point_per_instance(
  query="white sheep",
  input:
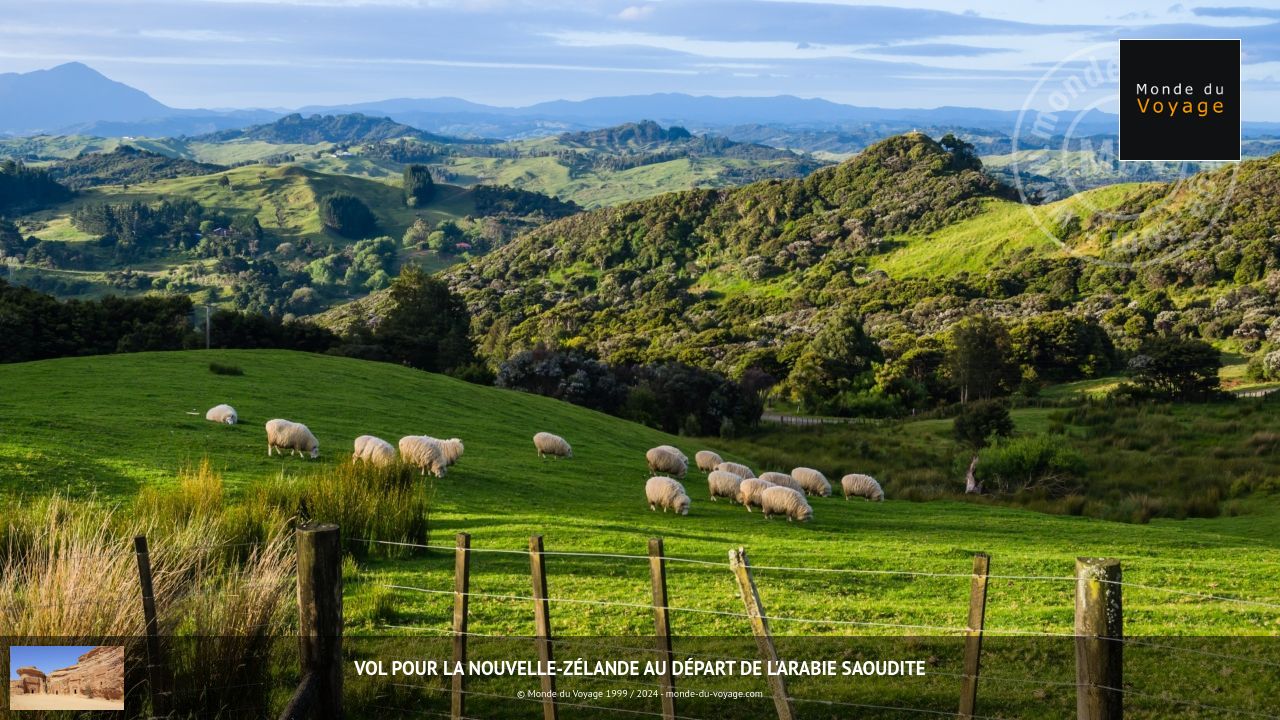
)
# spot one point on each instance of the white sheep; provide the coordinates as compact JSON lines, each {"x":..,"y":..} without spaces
{"x":373,"y":450}
{"x":749,"y":491}
{"x":452,"y":450}
{"x":222,"y":414}
{"x":424,"y":453}
{"x":863,"y":486}
{"x":295,"y":437}
{"x":723,"y":484}
{"x":783,"y":479}
{"x":785,"y":501}
{"x":738,"y":469}
{"x":553,"y":445}
{"x":666,"y":493}
{"x":666,"y":459}
{"x":677,"y":451}
{"x":707,"y":460}
{"x":813,"y":482}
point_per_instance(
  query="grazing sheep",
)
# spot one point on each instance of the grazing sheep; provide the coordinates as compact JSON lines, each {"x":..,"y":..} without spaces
{"x":295,"y":437}
{"x":373,"y":450}
{"x":668,"y":494}
{"x":783,"y":479}
{"x":666,"y":459}
{"x":723,"y":484}
{"x":785,"y":501}
{"x":552,"y":445}
{"x":452,"y":450}
{"x":677,"y":451}
{"x":707,"y":460}
{"x":863,"y":486}
{"x":222,"y":414}
{"x":738,"y":469}
{"x":749,"y":492}
{"x":813,"y":482}
{"x":424,"y":453}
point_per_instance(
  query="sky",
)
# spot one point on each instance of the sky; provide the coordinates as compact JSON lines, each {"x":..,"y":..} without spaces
{"x":900,"y":53}
{"x":47,"y":658}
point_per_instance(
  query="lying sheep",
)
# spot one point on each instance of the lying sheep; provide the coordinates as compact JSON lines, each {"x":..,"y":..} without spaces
{"x":738,"y":469}
{"x":723,"y":484}
{"x":452,"y":450}
{"x":552,"y":445}
{"x":863,"y":486}
{"x":663,"y":492}
{"x":813,"y":482}
{"x":749,"y":491}
{"x":707,"y":460}
{"x":666,"y":459}
{"x":295,"y":437}
{"x":783,"y":479}
{"x":424,"y":453}
{"x":222,"y":414}
{"x":373,"y":450}
{"x":785,"y":501}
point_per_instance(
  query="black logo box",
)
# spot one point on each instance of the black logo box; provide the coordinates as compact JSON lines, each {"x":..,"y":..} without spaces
{"x":1180,"y":65}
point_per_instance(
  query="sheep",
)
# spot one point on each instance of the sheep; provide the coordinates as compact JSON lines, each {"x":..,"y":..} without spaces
{"x":738,"y":469}
{"x":723,"y":484}
{"x":676,"y":451}
{"x":663,"y":459}
{"x":813,"y":482}
{"x":424,"y":453}
{"x":295,"y":437}
{"x":666,"y":493}
{"x":785,"y":501}
{"x":373,"y":450}
{"x":749,"y":491}
{"x":783,"y":479}
{"x":222,"y":414}
{"x":863,"y":486}
{"x":552,"y":445}
{"x":707,"y":460}
{"x":452,"y":450}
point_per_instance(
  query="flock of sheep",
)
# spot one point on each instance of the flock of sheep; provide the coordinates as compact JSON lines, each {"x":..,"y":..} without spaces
{"x":775,"y":493}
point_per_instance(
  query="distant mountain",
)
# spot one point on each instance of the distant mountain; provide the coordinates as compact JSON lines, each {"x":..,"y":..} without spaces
{"x":628,"y":135}
{"x":348,"y":128}
{"x":67,"y":95}
{"x":189,"y":122}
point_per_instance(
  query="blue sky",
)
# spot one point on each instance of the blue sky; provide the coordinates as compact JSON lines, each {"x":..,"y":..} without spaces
{"x":908,"y":53}
{"x":45,"y":657}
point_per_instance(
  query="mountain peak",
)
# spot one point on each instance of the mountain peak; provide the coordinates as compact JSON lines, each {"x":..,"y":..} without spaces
{"x":69,"y":94}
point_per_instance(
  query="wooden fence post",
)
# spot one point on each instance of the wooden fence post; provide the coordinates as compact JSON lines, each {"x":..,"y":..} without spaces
{"x":973,"y":635}
{"x":155,"y":661}
{"x":1099,"y":640}
{"x":461,"y":588}
{"x":320,"y":616}
{"x":542,"y":627}
{"x":760,"y":627}
{"x":662,"y":626}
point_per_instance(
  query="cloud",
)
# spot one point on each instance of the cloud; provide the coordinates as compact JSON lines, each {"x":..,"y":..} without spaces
{"x":937,"y":50}
{"x":635,"y":12}
{"x":1238,"y":11}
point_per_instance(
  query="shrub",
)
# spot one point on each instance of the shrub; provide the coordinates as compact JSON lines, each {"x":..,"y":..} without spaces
{"x":220,"y":369}
{"x":1033,"y":463}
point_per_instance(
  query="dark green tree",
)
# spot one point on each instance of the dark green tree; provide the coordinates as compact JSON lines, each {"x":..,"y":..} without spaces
{"x":1173,"y":368}
{"x":980,"y":359}
{"x":347,"y":215}
{"x":830,"y":365}
{"x":974,"y":427}
{"x":418,"y":186}
{"x":427,"y":326}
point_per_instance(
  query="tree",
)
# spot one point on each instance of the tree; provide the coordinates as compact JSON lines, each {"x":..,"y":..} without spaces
{"x":974,"y":427}
{"x":418,"y":186}
{"x":347,"y":215}
{"x":839,"y":353}
{"x":980,"y":358}
{"x":427,"y":326}
{"x":1174,"y":368}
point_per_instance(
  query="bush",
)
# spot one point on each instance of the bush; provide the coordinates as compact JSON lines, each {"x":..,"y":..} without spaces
{"x":1035,"y":463}
{"x":220,"y":369}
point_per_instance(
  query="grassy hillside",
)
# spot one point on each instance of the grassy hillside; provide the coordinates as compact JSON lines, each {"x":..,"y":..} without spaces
{"x":106,"y":426}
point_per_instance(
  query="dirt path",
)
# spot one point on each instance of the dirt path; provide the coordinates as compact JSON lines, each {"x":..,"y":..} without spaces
{"x":62,"y":702}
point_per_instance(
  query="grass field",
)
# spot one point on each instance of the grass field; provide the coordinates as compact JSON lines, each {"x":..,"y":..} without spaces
{"x":104,"y":427}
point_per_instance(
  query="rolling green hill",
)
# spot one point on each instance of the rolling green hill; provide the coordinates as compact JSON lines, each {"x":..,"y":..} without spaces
{"x":140,"y":419}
